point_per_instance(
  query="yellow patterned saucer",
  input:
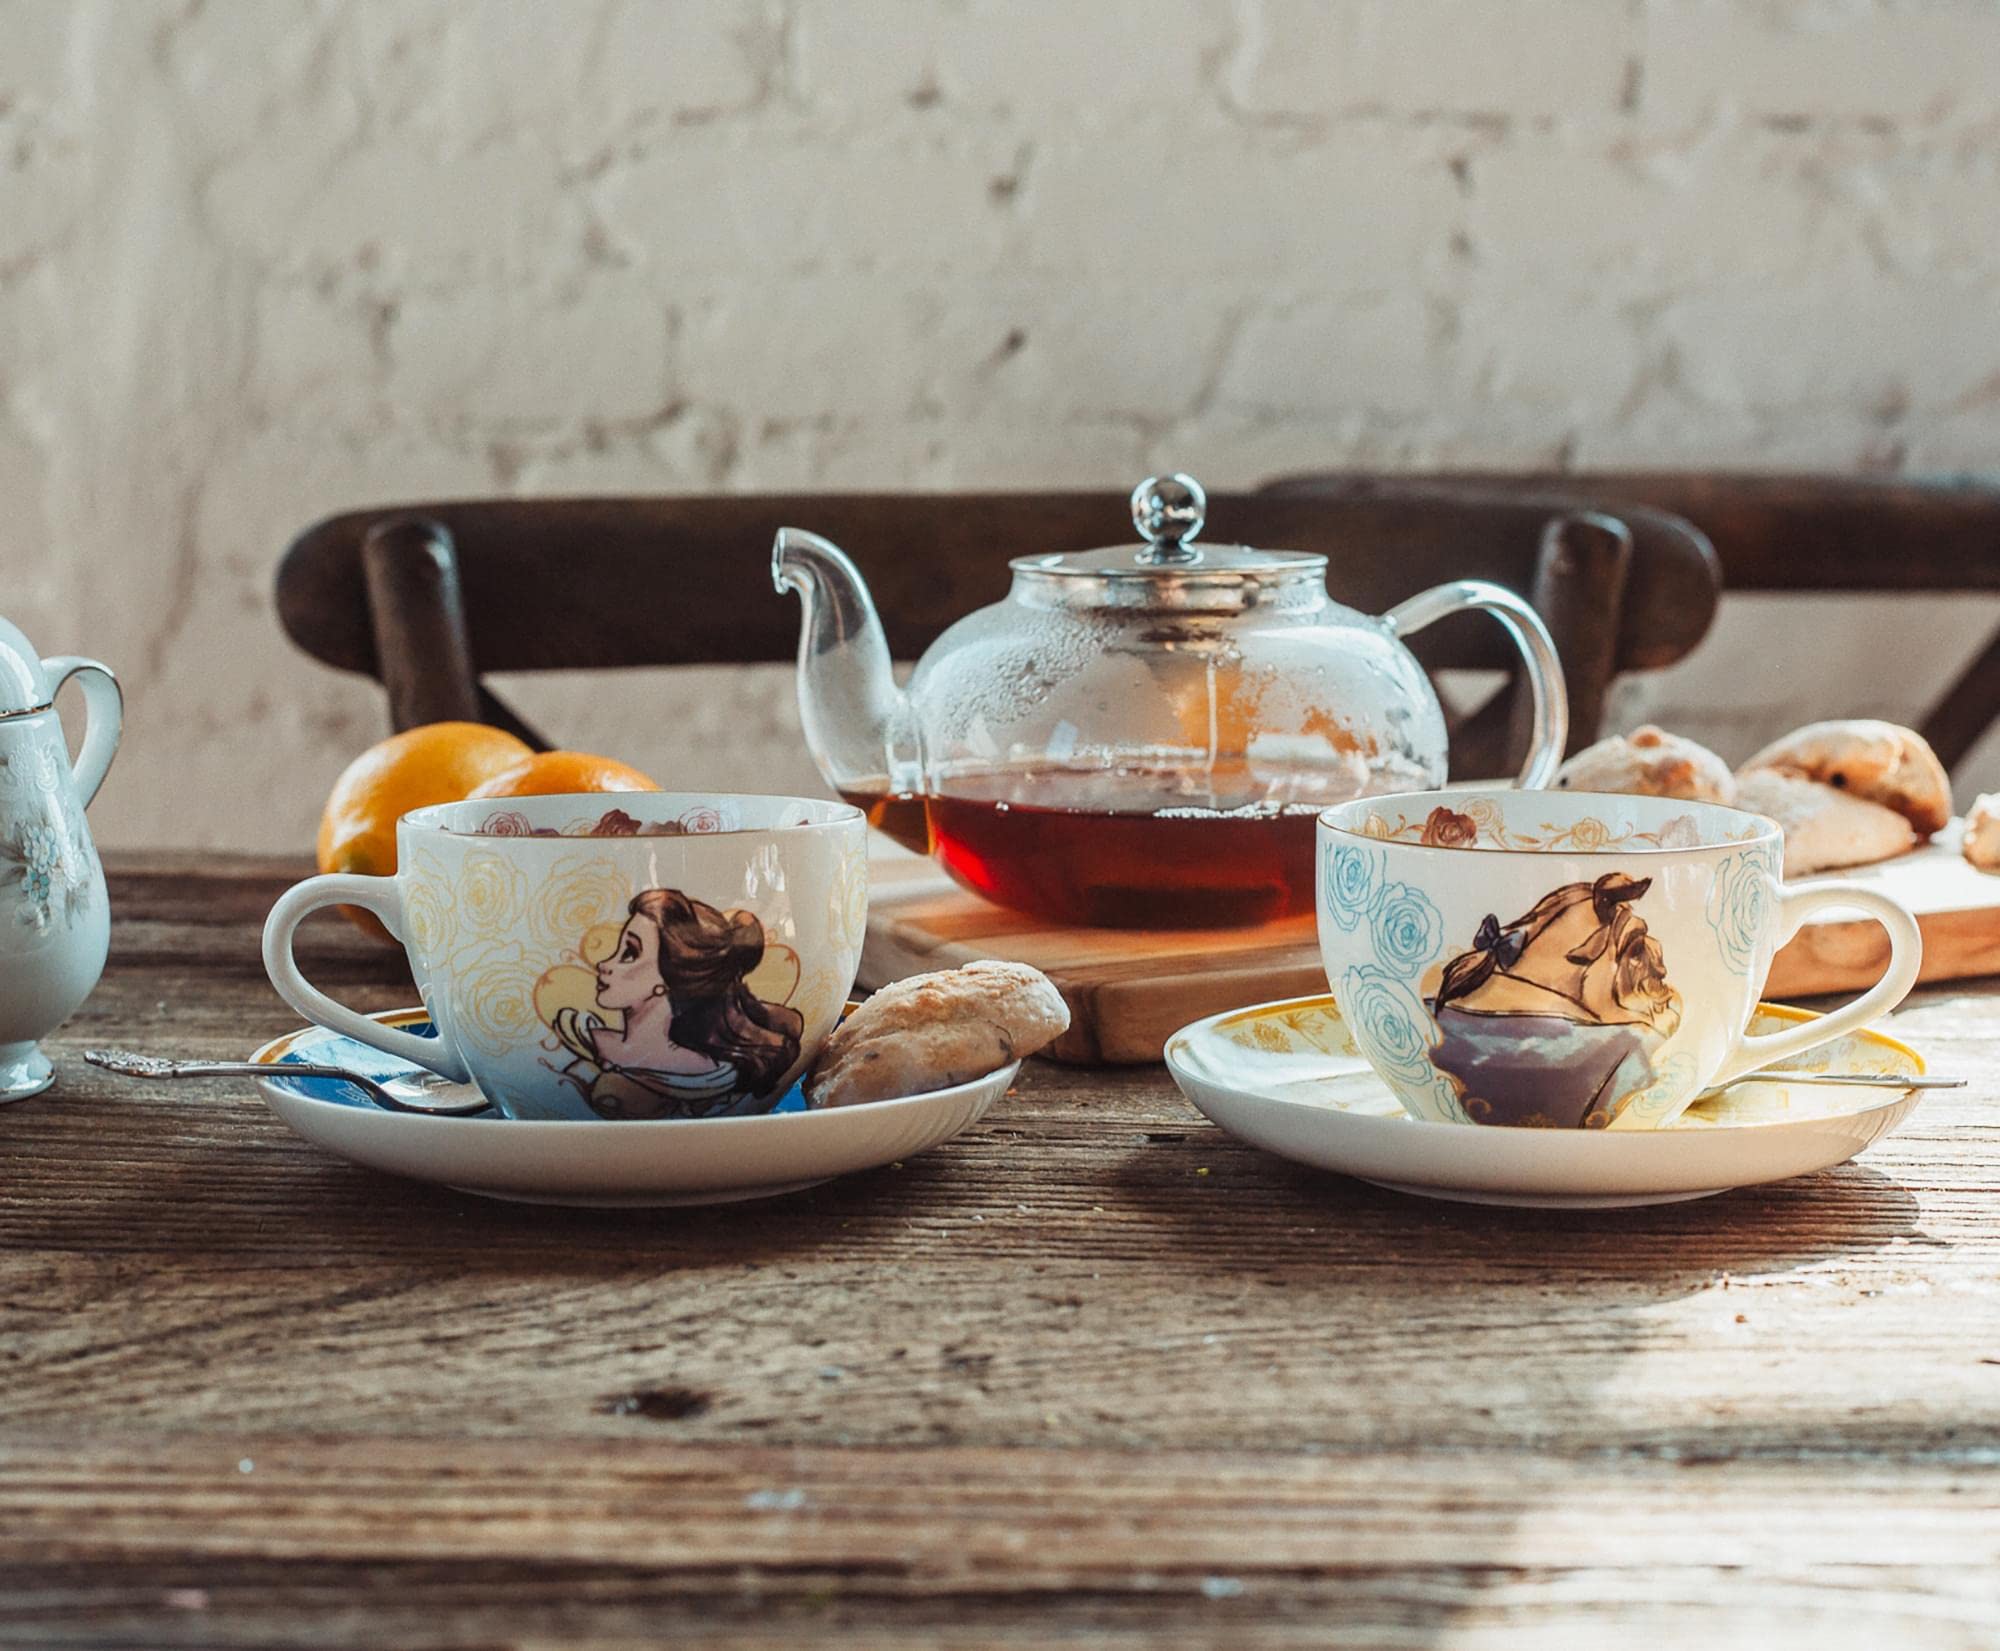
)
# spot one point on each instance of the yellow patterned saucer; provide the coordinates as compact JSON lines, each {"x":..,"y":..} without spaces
{"x":1286,"y":1077}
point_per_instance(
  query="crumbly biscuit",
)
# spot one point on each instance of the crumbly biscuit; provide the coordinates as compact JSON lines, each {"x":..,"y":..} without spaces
{"x":1650,"y":762}
{"x":1824,"y":828}
{"x":932,"y":1031}
{"x":1877,"y":761}
{"x":1982,"y":833}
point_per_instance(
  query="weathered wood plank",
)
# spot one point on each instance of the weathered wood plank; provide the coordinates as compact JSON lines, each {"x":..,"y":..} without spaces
{"x":1236,"y":1540}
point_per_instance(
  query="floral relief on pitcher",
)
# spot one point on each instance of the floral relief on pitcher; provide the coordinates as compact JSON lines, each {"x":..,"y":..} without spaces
{"x":47,"y":860}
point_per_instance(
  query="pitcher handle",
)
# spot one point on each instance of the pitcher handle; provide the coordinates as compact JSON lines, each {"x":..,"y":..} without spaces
{"x":103,"y":717}
{"x":1538,"y":654}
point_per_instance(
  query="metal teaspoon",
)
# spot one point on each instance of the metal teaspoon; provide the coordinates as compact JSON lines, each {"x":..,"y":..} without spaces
{"x":1873,"y":1080}
{"x":398,"y":1095}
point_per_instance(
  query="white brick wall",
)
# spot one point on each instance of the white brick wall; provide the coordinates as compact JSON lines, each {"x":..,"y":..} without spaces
{"x":263,"y":259}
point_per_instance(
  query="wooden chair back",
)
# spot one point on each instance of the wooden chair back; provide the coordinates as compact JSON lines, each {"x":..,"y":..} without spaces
{"x":427,"y":597}
{"x":1804,"y":533}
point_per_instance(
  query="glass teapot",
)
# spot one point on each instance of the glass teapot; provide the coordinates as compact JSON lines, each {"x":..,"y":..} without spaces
{"x":1140,"y":736}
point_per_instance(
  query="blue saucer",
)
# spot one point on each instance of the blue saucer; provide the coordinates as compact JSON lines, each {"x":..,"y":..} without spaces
{"x":317,"y":1046}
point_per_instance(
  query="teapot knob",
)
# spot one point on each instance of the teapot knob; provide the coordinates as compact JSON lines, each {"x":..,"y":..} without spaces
{"x":1169,"y":511}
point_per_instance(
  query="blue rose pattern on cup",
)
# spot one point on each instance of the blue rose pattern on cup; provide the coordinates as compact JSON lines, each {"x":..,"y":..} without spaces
{"x":1388,"y":1021}
{"x":1379,"y":1000}
{"x":1670,"y":1086}
{"x":1394,"y":1031}
{"x":1394,"y":1026}
{"x":1406,"y":928}
{"x":1353,"y":877}
{"x":1403,"y":924}
{"x":1739,"y":905}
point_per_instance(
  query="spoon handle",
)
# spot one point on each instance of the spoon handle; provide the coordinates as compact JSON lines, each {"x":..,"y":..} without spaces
{"x":130,"y":1063}
{"x":1873,"y":1080}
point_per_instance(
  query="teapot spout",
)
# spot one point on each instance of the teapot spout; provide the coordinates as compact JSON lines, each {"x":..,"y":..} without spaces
{"x":853,"y":714}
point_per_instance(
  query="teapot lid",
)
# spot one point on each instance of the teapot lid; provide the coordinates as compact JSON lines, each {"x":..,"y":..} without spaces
{"x":24,"y":685}
{"x":1169,"y":512}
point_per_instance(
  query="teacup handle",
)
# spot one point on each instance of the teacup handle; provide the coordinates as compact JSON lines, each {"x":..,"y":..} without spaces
{"x":1538,"y":654}
{"x":381,"y":896}
{"x":1906,"y":956}
{"x":103,"y":713}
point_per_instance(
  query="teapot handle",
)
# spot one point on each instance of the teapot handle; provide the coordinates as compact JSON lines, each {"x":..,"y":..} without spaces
{"x":104,"y":717}
{"x":1538,"y":653}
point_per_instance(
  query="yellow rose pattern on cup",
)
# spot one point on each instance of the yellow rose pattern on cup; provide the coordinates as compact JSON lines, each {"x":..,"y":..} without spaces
{"x":653,"y":1004}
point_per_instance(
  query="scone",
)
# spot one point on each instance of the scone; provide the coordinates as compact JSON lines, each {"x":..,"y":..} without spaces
{"x":935,"y":1030}
{"x":1982,"y":833}
{"x":1876,"y":761}
{"x":1823,"y":828}
{"x":1649,"y":762}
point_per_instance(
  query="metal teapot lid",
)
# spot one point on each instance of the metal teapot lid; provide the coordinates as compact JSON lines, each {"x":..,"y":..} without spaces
{"x":1169,"y":512}
{"x":24,"y":685}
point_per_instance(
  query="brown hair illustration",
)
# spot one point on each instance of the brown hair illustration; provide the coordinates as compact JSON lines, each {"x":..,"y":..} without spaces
{"x":1638,"y":967}
{"x":704,"y":956}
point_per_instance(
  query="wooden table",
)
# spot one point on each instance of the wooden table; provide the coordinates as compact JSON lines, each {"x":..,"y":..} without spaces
{"x":1090,"y":1371}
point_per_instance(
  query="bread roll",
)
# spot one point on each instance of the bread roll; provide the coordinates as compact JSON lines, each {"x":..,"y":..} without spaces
{"x":1982,"y":833}
{"x":1649,"y":762}
{"x":932,"y":1031}
{"x":1876,"y":761}
{"x":1824,"y":828}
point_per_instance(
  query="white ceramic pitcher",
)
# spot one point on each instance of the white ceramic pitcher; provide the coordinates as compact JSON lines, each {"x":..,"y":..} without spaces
{"x":55,"y":920}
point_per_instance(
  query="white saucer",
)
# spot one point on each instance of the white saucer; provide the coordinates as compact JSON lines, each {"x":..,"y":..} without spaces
{"x":603,"y":1163}
{"x":1286,"y":1077}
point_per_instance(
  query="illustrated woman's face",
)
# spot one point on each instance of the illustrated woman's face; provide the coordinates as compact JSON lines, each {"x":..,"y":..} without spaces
{"x":631,"y":974}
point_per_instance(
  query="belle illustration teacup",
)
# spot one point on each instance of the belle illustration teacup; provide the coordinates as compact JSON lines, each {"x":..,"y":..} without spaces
{"x":648,"y":955}
{"x":1565,"y":960}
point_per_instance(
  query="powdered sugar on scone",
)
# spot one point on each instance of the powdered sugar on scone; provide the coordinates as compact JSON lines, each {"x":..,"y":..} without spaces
{"x":1824,"y":828}
{"x":1880,"y":762}
{"x":1650,"y":762}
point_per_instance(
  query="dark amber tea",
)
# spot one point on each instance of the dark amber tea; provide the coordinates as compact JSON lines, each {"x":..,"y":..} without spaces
{"x":1124,"y":871}
{"x":898,"y":816}
{"x":1066,"y":856}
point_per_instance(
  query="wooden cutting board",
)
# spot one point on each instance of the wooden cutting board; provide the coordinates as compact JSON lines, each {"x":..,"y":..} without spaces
{"x":1128,"y":990}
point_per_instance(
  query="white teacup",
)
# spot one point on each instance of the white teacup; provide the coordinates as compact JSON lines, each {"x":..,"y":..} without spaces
{"x":641,"y":955}
{"x":1568,"y":960}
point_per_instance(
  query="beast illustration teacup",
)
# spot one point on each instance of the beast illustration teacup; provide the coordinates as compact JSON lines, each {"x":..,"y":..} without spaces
{"x":650,"y":955}
{"x":1567,"y":960}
